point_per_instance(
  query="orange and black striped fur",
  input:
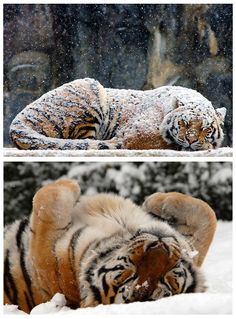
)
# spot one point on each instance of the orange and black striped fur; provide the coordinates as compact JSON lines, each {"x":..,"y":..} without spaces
{"x":104,"y":249}
{"x":84,"y":115}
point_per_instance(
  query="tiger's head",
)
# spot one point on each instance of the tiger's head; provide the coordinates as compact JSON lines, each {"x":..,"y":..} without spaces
{"x":194,"y":126}
{"x":147,"y":266}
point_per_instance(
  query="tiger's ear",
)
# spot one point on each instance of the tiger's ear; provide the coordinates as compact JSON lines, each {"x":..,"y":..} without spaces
{"x":221,"y":112}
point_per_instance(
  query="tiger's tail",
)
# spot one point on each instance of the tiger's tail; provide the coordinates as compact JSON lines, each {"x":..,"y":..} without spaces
{"x":27,"y":139}
{"x":63,"y":119}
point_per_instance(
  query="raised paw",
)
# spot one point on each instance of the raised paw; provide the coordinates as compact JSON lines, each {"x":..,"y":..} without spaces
{"x":54,"y":202}
{"x":191,"y":217}
{"x":166,"y":207}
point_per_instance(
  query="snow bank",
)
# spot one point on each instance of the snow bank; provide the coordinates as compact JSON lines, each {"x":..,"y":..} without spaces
{"x":217,"y":299}
{"x":221,"y":152}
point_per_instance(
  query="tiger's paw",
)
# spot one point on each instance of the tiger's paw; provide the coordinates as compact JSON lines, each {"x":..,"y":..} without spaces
{"x":191,"y":217}
{"x":54,"y":202}
{"x":169,"y":207}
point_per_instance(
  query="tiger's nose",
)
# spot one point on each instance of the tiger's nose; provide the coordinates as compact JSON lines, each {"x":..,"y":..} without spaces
{"x":191,"y":138}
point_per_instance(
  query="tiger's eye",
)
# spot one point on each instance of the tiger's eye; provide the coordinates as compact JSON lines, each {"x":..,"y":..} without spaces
{"x":208,"y":131}
{"x":184,"y":123}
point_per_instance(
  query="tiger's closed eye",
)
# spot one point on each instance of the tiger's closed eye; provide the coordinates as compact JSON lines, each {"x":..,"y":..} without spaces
{"x":208,"y":131}
{"x":184,"y":123}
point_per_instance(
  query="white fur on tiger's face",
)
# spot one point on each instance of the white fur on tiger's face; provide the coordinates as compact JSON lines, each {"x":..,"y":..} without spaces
{"x":83,"y":115}
{"x":144,"y":268}
{"x":193,"y":127}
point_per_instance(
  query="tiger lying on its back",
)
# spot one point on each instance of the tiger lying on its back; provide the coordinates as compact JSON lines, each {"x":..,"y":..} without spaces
{"x":104,"y":249}
{"x":84,"y":115}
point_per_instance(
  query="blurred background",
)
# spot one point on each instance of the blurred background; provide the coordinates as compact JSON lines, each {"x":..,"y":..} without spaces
{"x":132,"y":46}
{"x":209,"y":181}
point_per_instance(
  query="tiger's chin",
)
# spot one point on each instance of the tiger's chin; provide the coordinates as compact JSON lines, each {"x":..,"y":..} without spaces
{"x":183,"y":145}
{"x":193,"y":148}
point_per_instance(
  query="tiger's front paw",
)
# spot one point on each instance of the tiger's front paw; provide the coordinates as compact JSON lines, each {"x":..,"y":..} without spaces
{"x":168,"y":207}
{"x":54,"y":202}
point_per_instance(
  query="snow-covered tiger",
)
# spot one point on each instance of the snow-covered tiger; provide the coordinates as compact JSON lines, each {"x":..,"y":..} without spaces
{"x":104,"y":249}
{"x":84,"y":115}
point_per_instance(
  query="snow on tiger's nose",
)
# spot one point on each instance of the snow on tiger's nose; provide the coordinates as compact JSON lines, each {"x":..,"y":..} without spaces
{"x":191,"y":138}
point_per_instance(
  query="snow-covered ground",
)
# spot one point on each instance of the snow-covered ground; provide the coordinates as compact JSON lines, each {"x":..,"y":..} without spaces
{"x":221,"y":152}
{"x":217,"y":299}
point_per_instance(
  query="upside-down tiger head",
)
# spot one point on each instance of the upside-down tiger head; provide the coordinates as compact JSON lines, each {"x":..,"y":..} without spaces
{"x":145,"y":267}
{"x":193,"y":126}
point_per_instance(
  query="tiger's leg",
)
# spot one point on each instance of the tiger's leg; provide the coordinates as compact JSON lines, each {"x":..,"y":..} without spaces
{"x":51,"y":217}
{"x":192,"y":217}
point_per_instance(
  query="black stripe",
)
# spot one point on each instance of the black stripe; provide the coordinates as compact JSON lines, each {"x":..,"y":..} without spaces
{"x":84,"y":135}
{"x":93,"y":263}
{"x":22,"y":226}
{"x":96,"y":106}
{"x":122,"y":258}
{"x":185,"y":280}
{"x":192,"y":287}
{"x":110,"y":131}
{"x":66,"y":227}
{"x":105,"y":285}
{"x":96,"y":293}
{"x":214,"y":130}
{"x":90,"y":118}
{"x":27,"y":298}
{"x":170,"y":137}
{"x":30,"y":300}
{"x":8,"y":279}
{"x":86,"y":128}
{"x":74,"y":124}
{"x":113,"y":129}
{"x":27,"y":278}
{"x":20,"y":231}
{"x":73,"y":241}
{"x":105,"y":270}
{"x":112,"y":299}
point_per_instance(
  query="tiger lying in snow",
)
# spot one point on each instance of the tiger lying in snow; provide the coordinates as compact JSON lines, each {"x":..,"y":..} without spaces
{"x":84,"y":115}
{"x":104,"y":249}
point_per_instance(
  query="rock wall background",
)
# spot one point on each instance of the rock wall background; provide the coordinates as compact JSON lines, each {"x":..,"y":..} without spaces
{"x":133,"y":46}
